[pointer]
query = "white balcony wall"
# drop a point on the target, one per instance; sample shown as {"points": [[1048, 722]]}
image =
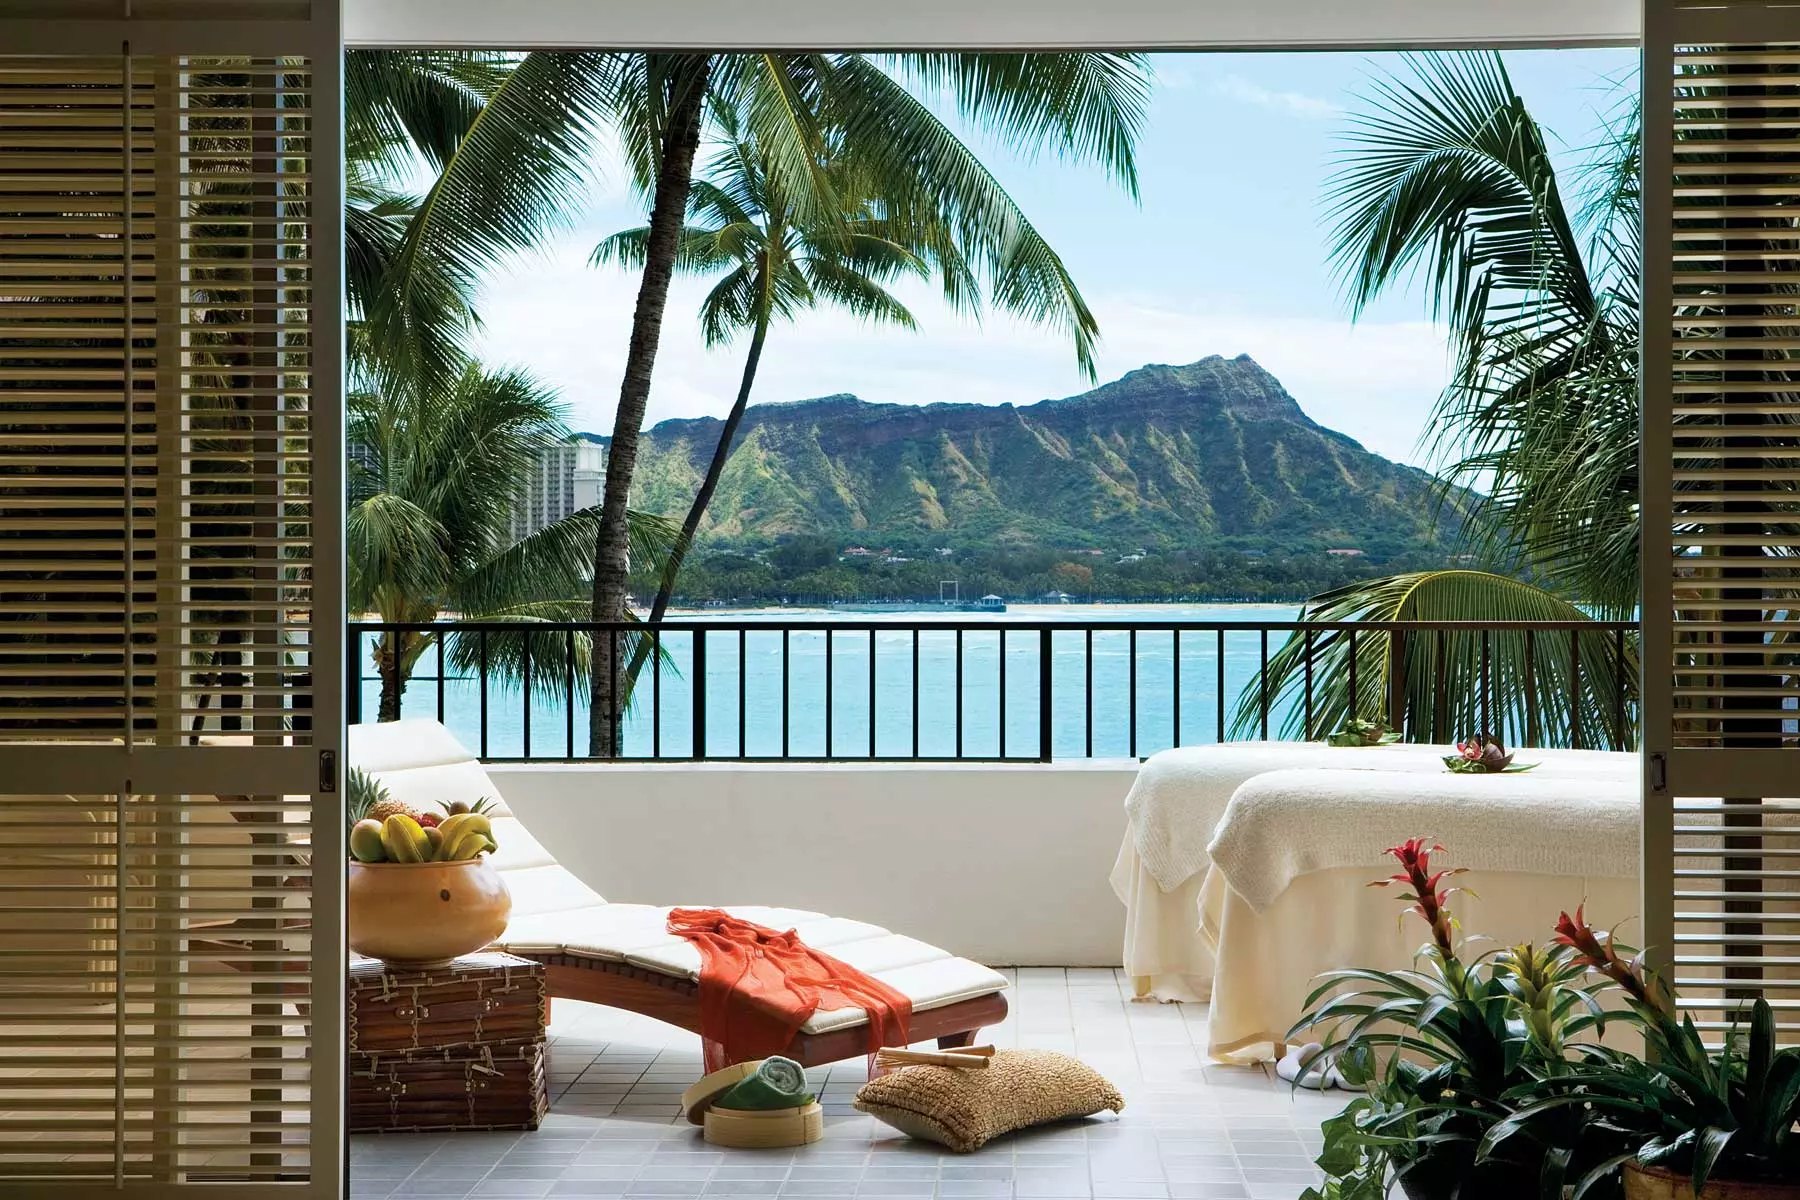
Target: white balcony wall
{"points": [[1006, 864]]}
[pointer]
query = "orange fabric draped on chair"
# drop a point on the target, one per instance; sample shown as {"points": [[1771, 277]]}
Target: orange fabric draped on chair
{"points": [[758, 986]]}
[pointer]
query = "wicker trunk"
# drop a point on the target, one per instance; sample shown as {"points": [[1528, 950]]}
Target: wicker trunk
{"points": [[455, 1047]]}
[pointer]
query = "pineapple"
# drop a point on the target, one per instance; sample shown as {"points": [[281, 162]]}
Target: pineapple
{"points": [[482, 807], [364, 793], [388, 807]]}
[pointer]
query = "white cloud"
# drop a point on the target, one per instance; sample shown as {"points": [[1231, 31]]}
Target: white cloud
{"points": [[568, 323], [1294, 104]]}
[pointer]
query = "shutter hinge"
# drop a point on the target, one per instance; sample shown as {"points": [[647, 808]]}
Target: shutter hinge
{"points": [[327, 771], [1659, 772]]}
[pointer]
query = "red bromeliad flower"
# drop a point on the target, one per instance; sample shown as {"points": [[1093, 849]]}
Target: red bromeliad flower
{"points": [[1414, 857], [1594, 950]]}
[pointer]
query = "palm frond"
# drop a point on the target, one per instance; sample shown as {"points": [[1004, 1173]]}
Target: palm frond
{"points": [[399, 104], [1089, 106], [552, 564], [501, 190], [393, 549], [1436, 686], [1447, 176], [928, 178]]}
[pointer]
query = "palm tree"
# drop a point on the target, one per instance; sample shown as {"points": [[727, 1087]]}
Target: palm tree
{"points": [[775, 267], [793, 107], [432, 486], [1448, 179]]}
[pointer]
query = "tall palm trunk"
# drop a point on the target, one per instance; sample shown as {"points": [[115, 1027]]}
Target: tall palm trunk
{"points": [[674, 179], [388, 654], [721, 453], [665, 589]]}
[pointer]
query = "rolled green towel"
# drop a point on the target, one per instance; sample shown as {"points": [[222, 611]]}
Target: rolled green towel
{"points": [[778, 1083]]}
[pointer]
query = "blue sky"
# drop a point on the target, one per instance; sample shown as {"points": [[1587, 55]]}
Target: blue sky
{"points": [[1225, 254]]}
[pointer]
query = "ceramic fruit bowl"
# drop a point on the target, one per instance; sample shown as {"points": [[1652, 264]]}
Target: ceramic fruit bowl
{"points": [[413, 915]]}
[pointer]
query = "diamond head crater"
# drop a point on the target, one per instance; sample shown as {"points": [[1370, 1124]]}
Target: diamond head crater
{"points": [[1206, 481]]}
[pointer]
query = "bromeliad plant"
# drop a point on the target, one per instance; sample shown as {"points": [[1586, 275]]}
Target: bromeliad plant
{"points": [[1438, 1049], [1724, 1114], [1481, 1081]]}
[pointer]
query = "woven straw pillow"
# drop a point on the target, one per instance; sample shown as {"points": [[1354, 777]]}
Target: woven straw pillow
{"points": [[963, 1109]]}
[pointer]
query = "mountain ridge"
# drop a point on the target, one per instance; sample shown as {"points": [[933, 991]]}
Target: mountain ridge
{"points": [[1213, 452]]}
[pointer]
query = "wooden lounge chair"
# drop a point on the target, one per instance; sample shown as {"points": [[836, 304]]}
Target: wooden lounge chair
{"points": [[623, 956]]}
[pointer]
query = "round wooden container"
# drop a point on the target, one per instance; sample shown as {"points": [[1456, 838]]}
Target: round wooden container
{"points": [[741, 1129], [415, 915], [772, 1129]]}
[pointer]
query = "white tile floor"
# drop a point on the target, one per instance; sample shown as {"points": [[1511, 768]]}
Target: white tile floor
{"points": [[1189, 1129]]}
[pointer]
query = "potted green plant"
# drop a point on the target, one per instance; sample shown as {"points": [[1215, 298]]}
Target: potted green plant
{"points": [[1481, 1081], [1438, 1048], [1692, 1120]]}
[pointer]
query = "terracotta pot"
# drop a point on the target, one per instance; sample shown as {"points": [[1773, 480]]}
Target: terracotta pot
{"points": [[1654, 1183], [425, 914]]}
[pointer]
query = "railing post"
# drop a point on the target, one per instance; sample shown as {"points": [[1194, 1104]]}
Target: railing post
{"points": [[353, 677], [699, 685], [1045, 709], [1396, 697]]}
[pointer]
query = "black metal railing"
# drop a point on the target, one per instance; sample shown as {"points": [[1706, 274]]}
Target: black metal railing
{"points": [[991, 689]]}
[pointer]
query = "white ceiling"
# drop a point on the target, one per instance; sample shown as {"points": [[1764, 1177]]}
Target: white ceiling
{"points": [[1025, 24]]}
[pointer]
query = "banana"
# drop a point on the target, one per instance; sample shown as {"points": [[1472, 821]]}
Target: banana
{"points": [[404, 840], [465, 844], [459, 822]]}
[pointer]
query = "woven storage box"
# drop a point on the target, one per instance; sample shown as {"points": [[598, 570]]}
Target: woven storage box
{"points": [[454, 1047], [477, 1000], [501, 1087]]}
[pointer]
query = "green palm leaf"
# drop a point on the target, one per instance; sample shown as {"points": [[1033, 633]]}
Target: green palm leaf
{"points": [[1441, 686], [524, 146]]}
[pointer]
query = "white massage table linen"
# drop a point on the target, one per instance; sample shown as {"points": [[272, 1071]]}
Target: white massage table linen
{"points": [[1590, 798], [1179, 796], [1285, 824]]}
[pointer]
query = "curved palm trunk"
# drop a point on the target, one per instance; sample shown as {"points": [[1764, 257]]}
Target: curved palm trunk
{"points": [[674, 179], [665, 589]]}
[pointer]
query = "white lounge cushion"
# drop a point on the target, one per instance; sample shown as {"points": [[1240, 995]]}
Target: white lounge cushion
{"points": [[554, 912]]}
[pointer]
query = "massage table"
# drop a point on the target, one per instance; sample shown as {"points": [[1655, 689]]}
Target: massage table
{"points": [[1244, 869], [622, 955]]}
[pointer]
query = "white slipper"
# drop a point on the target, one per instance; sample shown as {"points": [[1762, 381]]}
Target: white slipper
{"points": [[1316, 1076], [1333, 1079]]}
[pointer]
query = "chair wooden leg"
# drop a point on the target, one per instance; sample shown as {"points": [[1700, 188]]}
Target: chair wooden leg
{"points": [[951, 1041]]}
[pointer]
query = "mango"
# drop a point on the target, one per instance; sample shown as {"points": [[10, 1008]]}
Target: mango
{"points": [[365, 842]]}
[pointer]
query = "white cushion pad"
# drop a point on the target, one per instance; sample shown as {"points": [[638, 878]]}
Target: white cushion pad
{"points": [[638, 934]]}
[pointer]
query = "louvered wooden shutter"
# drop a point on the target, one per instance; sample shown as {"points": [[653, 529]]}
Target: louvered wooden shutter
{"points": [[170, 604], [1721, 511]]}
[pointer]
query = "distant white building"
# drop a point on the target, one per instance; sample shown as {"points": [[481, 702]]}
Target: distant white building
{"points": [[569, 477]]}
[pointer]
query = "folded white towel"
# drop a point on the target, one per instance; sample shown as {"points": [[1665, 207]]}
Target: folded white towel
{"points": [[1283, 824]]}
